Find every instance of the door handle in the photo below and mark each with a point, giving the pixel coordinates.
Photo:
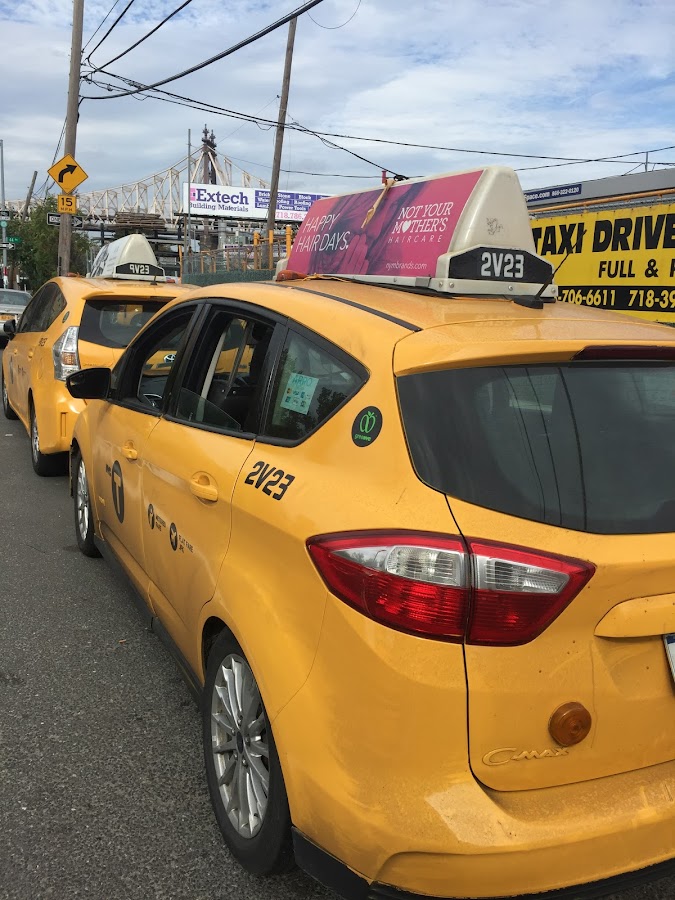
(203, 487)
(30, 354)
(129, 450)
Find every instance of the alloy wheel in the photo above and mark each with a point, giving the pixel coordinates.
(82, 501)
(34, 438)
(239, 745)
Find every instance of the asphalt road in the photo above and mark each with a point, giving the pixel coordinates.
(102, 790)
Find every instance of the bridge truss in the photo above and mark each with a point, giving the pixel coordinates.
(159, 195)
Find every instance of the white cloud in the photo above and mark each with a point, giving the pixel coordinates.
(554, 77)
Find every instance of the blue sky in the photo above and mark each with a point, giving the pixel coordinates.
(566, 78)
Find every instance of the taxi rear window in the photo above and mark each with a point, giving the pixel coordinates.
(590, 447)
(113, 323)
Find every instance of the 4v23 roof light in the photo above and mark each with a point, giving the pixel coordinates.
(446, 587)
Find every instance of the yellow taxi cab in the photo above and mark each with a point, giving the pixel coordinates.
(415, 557)
(73, 323)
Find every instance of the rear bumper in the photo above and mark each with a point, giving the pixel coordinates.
(379, 779)
(466, 841)
(56, 413)
(338, 877)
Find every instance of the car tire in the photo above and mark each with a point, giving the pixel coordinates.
(43, 463)
(6, 408)
(84, 519)
(257, 826)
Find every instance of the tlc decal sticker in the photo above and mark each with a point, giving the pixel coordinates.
(118, 490)
(274, 482)
(367, 426)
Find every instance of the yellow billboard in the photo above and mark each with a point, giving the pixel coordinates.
(621, 259)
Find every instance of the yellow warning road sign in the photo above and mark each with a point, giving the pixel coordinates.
(67, 174)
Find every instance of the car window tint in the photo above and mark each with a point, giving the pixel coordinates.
(310, 384)
(36, 309)
(142, 376)
(114, 322)
(51, 309)
(14, 298)
(582, 446)
(222, 384)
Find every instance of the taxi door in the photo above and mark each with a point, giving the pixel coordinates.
(122, 430)
(195, 456)
(21, 349)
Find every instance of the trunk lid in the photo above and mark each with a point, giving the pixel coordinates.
(571, 457)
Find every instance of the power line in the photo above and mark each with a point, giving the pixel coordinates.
(239, 46)
(144, 38)
(334, 146)
(204, 106)
(101, 24)
(335, 27)
(112, 27)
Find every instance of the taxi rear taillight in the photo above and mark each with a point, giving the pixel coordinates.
(65, 355)
(444, 587)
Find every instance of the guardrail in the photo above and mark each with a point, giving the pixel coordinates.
(238, 257)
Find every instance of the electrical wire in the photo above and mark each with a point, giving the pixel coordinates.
(335, 146)
(111, 29)
(101, 24)
(204, 106)
(207, 62)
(335, 27)
(144, 38)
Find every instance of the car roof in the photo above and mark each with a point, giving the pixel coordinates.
(76, 286)
(433, 329)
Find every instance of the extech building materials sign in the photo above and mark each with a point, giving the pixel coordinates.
(246, 203)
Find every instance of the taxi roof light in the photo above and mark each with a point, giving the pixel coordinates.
(462, 233)
(442, 587)
(129, 257)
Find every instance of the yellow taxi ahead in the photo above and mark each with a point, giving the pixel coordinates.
(73, 323)
(407, 525)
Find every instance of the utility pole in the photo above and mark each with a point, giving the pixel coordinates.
(66, 224)
(3, 230)
(24, 214)
(279, 140)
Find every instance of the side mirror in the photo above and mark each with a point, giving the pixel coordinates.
(9, 328)
(89, 384)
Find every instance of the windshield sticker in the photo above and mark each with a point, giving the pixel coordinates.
(367, 426)
(299, 392)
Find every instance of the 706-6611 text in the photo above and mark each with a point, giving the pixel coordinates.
(657, 299)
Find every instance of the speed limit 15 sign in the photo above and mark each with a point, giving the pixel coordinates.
(66, 203)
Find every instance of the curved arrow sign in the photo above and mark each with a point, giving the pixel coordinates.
(67, 173)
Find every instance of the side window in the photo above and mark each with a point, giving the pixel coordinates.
(310, 384)
(223, 383)
(51, 309)
(35, 311)
(144, 372)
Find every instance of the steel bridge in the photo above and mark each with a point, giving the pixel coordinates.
(159, 196)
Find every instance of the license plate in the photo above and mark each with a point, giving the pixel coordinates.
(669, 641)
